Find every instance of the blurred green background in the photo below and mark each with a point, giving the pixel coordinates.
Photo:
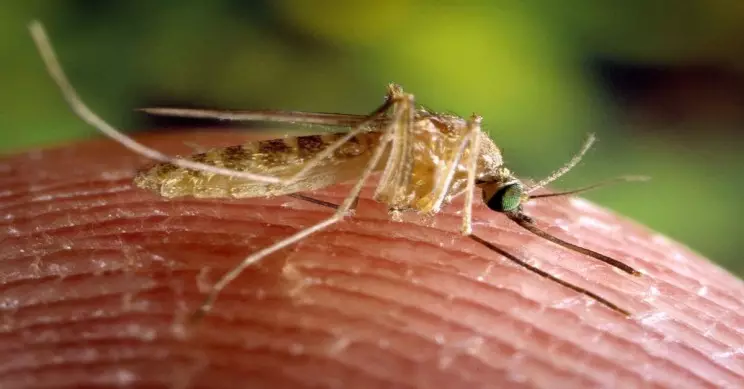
(660, 82)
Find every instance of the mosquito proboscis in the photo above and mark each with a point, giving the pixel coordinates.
(425, 159)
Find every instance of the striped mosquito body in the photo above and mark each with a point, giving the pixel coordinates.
(424, 159)
(419, 184)
(278, 157)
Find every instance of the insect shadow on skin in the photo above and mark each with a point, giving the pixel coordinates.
(425, 159)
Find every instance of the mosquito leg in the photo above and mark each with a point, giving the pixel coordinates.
(549, 276)
(324, 203)
(471, 143)
(399, 165)
(87, 115)
(467, 211)
(315, 201)
(339, 214)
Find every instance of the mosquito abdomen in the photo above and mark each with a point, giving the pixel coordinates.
(281, 158)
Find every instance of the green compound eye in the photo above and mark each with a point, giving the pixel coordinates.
(507, 199)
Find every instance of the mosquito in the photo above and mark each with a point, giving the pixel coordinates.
(425, 159)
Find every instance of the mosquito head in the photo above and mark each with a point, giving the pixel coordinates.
(505, 198)
(503, 193)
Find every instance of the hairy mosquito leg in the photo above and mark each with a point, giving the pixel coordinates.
(88, 116)
(470, 142)
(441, 187)
(475, 145)
(340, 212)
(312, 200)
(549, 276)
(322, 203)
(257, 256)
(399, 164)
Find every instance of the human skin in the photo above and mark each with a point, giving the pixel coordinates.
(99, 278)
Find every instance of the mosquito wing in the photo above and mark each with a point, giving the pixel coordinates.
(293, 117)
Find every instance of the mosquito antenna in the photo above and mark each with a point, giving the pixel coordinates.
(568, 166)
(528, 224)
(594, 186)
(549, 276)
